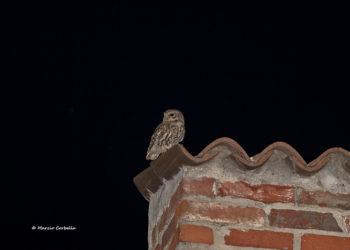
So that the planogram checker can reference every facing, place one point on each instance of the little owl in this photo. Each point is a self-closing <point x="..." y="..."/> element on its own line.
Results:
<point x="167" y="134"/>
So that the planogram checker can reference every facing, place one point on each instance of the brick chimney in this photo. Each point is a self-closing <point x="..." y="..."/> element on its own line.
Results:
<point x="224" y="199"/>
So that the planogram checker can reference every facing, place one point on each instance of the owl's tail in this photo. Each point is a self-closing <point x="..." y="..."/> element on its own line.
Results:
<point x="152" y="155"/>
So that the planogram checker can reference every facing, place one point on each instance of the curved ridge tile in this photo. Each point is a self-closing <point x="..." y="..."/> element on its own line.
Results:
<point x="252" y="163"/>
<point x="240" y="155"/>
<point x="197" y="159"/>
<point x="170" y="163"/>
<point x="224" y="140"/>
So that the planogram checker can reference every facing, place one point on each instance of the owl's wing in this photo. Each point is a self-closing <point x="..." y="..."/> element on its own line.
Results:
<point x="159" y="141"/>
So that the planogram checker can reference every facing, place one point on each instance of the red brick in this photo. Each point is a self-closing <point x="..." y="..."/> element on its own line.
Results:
<point x="262" y="239"/>
<point x="324" y="199"/>
<point x="215" y="212"/>
<point x="266" y="193"/>
<point x="287" y="218"/>
<point x="171" y="229"/>
<point x="346" y="220"/>
<point x="324" y="242"/>
<point x="193" y="233"/>
<point x="203" y="186"/>
<point x="175" y="241"/>
<point x="163" y="220"/>
<point x="169" y="232"/>
<point x="172" y="206"/>
<point x="155" y="233"/>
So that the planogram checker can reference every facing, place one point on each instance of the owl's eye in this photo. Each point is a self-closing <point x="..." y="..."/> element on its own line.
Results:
<point x="172" y="115"/>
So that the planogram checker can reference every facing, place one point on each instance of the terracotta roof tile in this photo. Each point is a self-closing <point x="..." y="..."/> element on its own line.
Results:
<point x="169" y="163"/>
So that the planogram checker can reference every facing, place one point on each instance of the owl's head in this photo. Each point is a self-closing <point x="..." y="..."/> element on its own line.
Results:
<point x="173" y="115"/>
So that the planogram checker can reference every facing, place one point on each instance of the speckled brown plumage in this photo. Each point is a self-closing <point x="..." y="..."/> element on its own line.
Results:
<point x="167" y="134"/>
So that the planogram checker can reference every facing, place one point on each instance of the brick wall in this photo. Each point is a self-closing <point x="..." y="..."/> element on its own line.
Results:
<point x="216" y="213"/>
<point x="224" y="199"/>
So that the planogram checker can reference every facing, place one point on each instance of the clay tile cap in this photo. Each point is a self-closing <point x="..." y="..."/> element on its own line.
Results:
<point x="169" y="164"/>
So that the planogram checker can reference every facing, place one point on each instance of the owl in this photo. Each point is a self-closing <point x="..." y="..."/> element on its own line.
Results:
<point x="167" y="134"/>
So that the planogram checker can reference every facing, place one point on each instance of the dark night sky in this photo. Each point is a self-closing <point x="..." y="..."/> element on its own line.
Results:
<point x="90" y="84"/>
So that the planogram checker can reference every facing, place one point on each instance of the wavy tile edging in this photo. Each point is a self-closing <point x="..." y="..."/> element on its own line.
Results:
<point x="170" y="163"/>
<point x="240" y="155"/>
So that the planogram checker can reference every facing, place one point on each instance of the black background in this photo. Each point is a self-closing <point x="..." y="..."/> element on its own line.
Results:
<point x="89" y="84"/>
